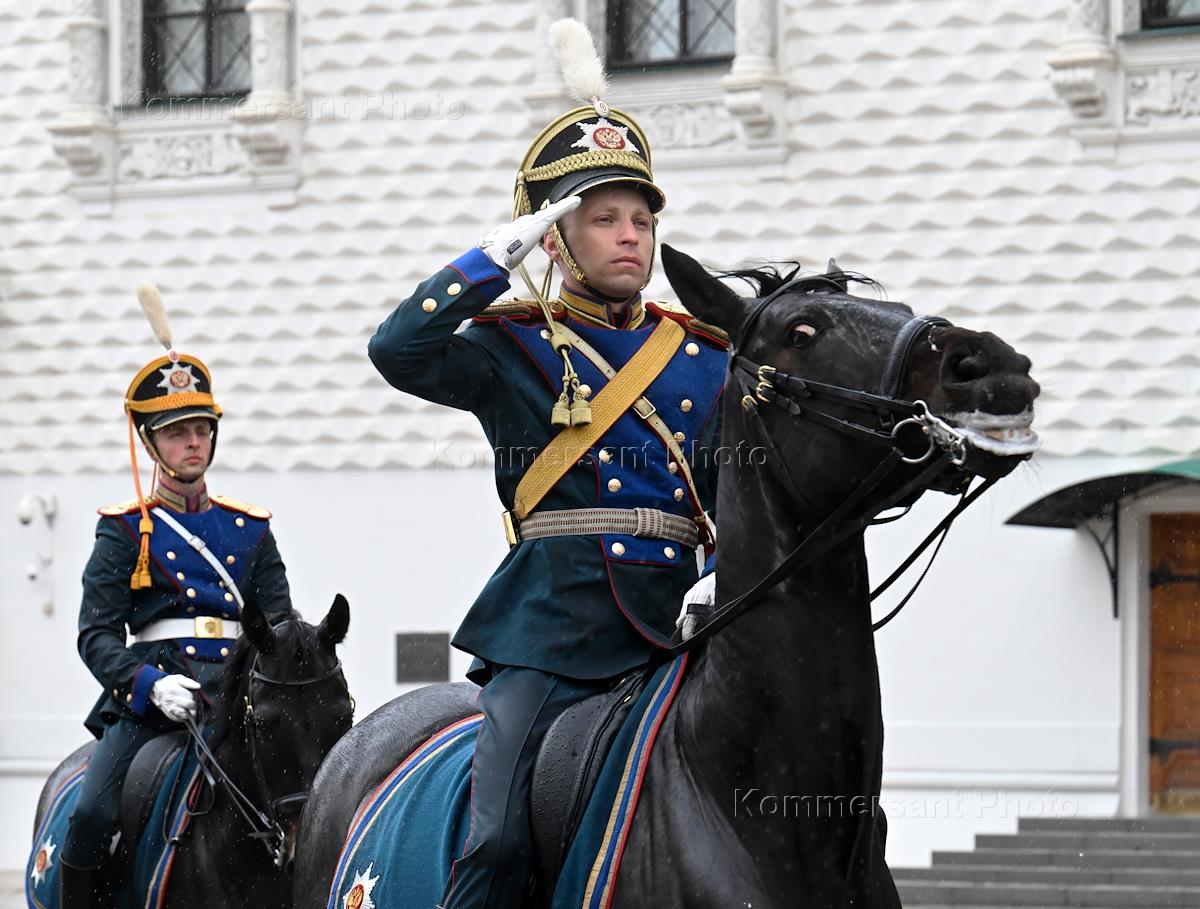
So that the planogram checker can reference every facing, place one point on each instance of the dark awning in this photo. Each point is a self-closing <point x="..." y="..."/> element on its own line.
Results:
<point x="1073" y="505"/>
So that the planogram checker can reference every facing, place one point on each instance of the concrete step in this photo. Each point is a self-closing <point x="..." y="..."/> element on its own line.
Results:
<point x="1050" y="874"/>
<point x="1165" y="824"/>
<point x="1093" y="896"/>
<point x="1072" y="858"/>
<point x="1068" y="840"/>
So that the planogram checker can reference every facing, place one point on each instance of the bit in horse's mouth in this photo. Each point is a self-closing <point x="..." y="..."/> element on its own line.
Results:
<point x="1008" y="435"/>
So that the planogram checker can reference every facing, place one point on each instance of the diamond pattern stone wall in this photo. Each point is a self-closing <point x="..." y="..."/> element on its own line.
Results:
<point x="923" y="145"/>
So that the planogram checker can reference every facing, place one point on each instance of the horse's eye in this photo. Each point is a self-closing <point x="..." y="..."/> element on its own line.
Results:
<point x="802" y="334"/>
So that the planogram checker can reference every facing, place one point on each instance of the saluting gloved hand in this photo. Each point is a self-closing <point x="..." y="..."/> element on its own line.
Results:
<point x="697" y="605"/>
<point x="172" y="694"/>
<point x="510" y="243"/>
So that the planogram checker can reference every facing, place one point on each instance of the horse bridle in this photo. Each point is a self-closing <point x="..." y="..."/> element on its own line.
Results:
<point x="275" y="806"/>
<point x="265" y="823"/>
<point x="894" y="416"/>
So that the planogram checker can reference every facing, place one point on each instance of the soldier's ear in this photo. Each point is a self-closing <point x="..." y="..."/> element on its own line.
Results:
<point x="333" y="628"/>
<point x="704" y="296"/>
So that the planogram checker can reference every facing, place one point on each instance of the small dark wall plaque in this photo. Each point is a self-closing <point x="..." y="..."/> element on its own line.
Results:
<point x="423" y="657"/>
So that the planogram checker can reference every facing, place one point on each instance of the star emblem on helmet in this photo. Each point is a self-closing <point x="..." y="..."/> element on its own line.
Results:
<point x="177" y="378"/>
<point x="42" y="861"/>
<point x="605" y="136"/>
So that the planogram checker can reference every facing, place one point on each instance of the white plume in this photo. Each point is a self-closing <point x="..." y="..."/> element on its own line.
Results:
<point x="152" y="305"/>
<point x="577" y="58"/>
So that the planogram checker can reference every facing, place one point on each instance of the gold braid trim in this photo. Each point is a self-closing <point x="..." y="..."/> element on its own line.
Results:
<point x="705" y="328"/>
<point x="173" y="402"/>
<point x="515" y="307"/>
<point x="586" y="161"/>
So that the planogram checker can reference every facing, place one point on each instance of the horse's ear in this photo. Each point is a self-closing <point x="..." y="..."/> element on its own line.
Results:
<point x="835" y="274"/>
<point x="333" y="628"/>
<point x="257" y="629"/>
<point x="704" y="296"/>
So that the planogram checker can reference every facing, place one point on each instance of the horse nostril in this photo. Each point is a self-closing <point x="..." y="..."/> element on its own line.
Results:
<point x="968" y="367"/>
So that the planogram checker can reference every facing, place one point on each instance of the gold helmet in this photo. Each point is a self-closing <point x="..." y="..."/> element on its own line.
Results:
<point x="166" y="390"/>
<point x="587" y="146"/>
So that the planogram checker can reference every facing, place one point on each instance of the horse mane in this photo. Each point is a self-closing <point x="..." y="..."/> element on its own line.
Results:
<point x="771" y="276"/>
<point x="230" y="710"/>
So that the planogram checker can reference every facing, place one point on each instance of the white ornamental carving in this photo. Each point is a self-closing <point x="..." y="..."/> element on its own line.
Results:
<point x="1088" y="17"/>
<point x="688" y="126"/>
<point x="1165" y="93"/>
<point x="179" y="157"/>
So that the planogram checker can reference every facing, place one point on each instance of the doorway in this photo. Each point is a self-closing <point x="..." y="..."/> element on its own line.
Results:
<point x="1174" y="716"/>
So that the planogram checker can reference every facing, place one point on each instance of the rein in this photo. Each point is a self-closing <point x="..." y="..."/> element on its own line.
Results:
<point x="895" y="420"/>
<point x="264" y="823"/>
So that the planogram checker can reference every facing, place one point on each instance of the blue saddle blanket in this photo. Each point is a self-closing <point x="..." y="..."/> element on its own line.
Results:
<point x="153" y="855"/>
<point x="410" y="829"/>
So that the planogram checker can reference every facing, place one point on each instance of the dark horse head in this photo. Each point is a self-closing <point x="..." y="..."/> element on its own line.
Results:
<point x="285" y="703"/>
<point x="817" y="335"/>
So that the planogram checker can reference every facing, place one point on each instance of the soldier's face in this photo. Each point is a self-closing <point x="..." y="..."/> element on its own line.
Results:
<point x="185" y="447"/>
<point x="611" y="236"/>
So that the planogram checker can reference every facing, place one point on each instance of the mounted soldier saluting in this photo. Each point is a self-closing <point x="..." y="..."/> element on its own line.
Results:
<point x="602" y="410"/>
<point x="171" y="567"/>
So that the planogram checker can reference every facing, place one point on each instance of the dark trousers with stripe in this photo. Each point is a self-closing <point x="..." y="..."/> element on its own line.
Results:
<point x="518" y="705"/>
<point x="96" y="818"/>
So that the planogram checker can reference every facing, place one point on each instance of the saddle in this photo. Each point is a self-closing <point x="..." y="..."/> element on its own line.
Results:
<point x="143" y="781"/>
<point x="567" y="766"/>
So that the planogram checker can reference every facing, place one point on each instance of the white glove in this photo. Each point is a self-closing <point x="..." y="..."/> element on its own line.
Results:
<point x="703" y="593"/>
<point x="172" y="695"/>
<point x="510" y="243"/>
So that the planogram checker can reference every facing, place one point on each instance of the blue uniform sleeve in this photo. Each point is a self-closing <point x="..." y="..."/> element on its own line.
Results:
<point x="106" y="608"/>
<point x="416" y="348"/>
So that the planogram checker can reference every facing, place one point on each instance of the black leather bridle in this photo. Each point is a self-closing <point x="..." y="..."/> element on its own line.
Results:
<point x="894" y="421"/>
<point x="265" y="823"/>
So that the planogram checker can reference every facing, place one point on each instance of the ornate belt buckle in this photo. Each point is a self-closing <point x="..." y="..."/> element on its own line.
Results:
<point x="209" y="626"/>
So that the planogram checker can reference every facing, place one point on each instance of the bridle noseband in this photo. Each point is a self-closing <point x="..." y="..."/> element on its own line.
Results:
<point x="893" y="418"/>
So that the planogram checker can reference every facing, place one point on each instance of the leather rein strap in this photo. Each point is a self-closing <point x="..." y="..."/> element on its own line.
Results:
<point x="804" y="399"/>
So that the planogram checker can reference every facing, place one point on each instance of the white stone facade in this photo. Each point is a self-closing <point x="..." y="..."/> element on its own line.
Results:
<point x="1016" y="166"/>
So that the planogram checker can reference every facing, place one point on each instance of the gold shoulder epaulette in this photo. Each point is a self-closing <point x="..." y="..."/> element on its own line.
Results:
<point x="513" y="309"/>
<point x="111" y="511"/>
<point x="680" y="314"/>
<point x="254" y="511"/>
<point x="712" y="331"/>
<point x="677" y="308"/>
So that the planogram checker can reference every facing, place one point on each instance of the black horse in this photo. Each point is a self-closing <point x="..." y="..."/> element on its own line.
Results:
<point x="762" y="789"/>
<point x="284" y="704"/>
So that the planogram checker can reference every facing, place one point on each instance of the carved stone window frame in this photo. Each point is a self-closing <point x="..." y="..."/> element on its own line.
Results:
<point x="704" y="116"/>
<point x="1132" y="93"/>
<point x="120" y="149"/>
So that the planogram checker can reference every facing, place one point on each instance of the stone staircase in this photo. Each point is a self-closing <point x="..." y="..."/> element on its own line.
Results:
<point x="1080" y="862"/>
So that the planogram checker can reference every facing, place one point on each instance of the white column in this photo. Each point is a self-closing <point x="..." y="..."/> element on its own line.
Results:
<point x="754" y="90"/>
<point x="270" y="57"/>
<point x="1082" y="69"/>
<point x="83" y="131"/>
<point x="268" y="124"/>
